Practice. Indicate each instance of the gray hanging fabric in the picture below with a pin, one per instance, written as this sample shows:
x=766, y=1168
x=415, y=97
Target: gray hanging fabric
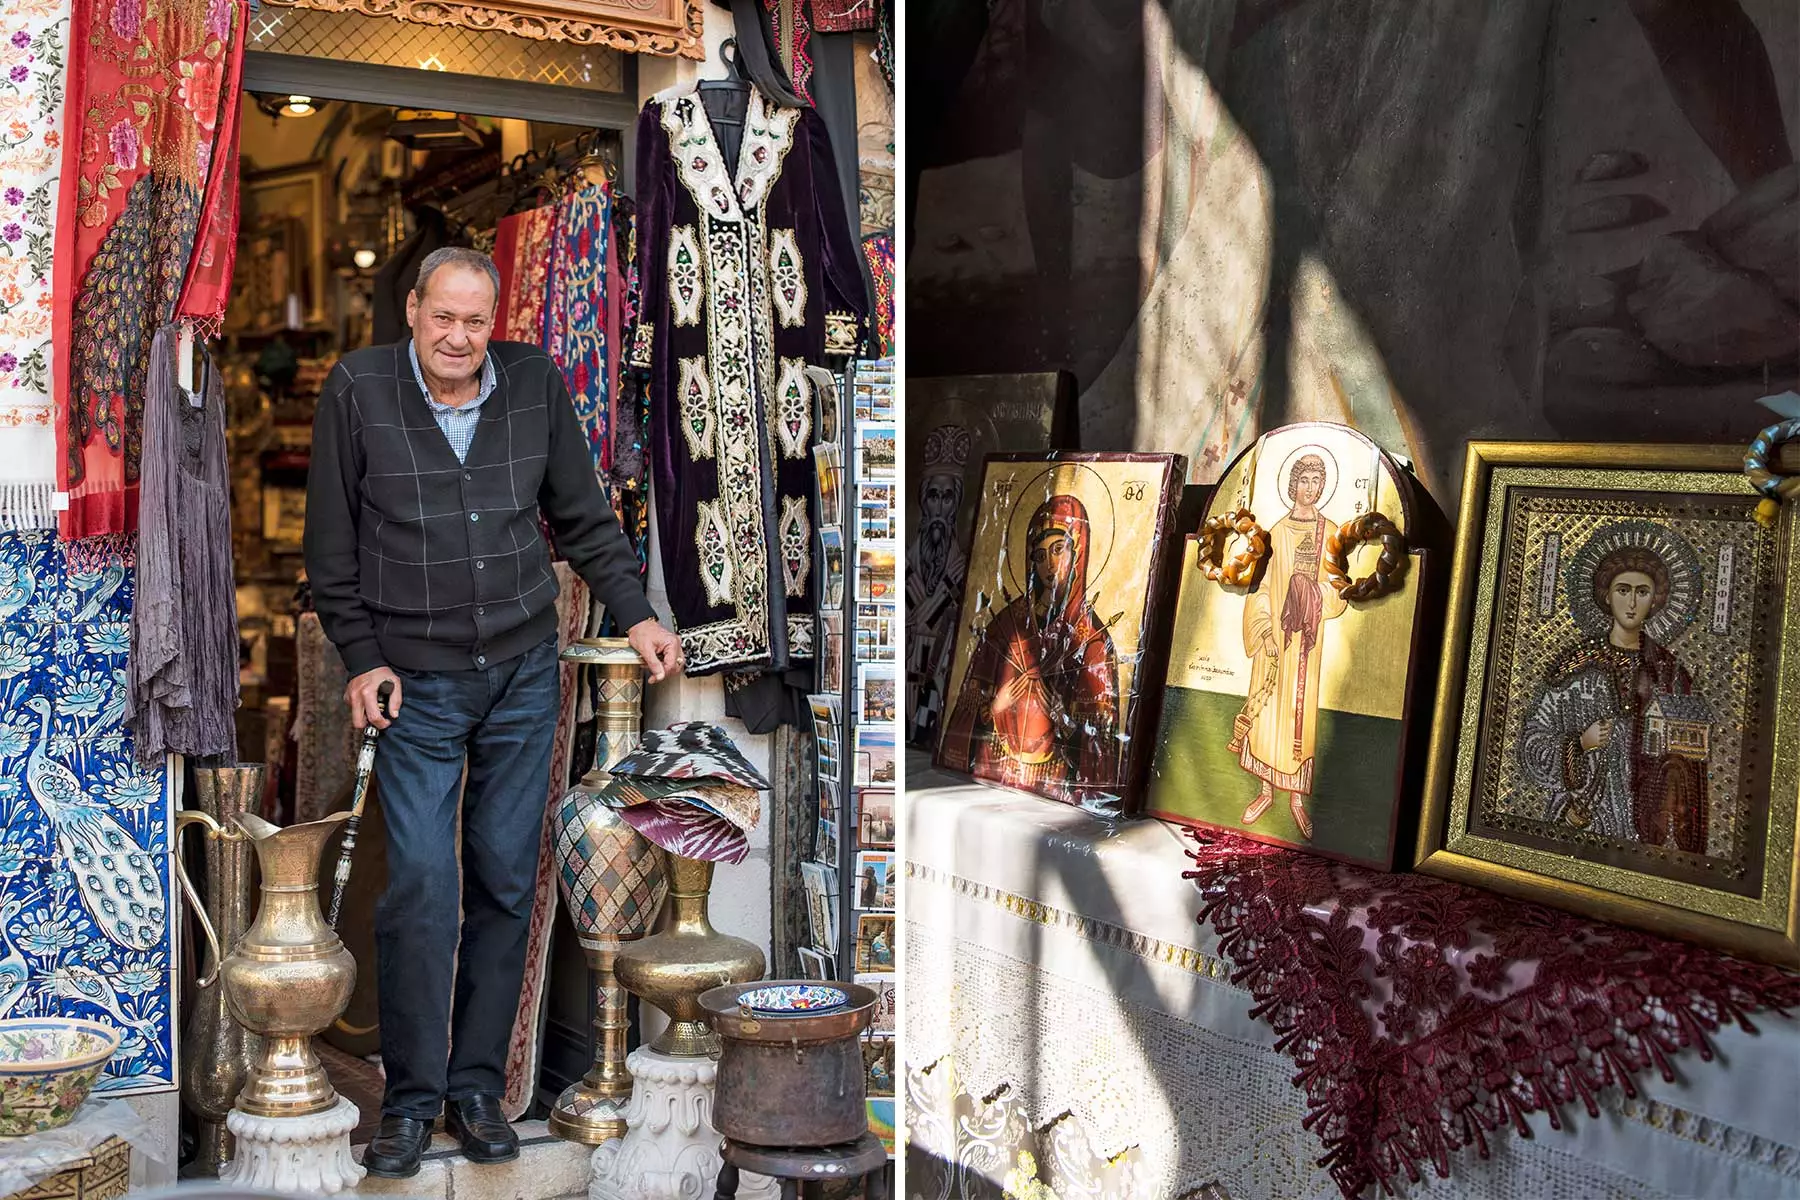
x=756, y=48
x=183, y=669
x=834, y=96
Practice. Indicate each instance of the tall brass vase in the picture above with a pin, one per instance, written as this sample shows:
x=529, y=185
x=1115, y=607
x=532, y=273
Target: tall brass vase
x=673, y=967
x=216, y=1052
x=613, y=886
x=289, y=976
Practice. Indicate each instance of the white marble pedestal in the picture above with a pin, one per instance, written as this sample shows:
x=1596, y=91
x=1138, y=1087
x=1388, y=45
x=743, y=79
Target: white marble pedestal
x=670, y=1150
x=304, y=1155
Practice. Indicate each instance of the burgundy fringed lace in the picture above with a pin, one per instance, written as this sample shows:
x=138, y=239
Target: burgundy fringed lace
x=1424, y=1015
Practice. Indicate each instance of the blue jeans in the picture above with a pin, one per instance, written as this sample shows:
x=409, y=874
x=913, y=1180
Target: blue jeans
x=503, y=719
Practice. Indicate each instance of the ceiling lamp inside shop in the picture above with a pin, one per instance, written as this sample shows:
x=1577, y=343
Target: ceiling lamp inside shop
x=420, y=130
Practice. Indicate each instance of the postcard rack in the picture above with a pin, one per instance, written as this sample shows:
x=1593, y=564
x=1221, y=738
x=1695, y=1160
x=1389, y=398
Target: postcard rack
x=850, y=882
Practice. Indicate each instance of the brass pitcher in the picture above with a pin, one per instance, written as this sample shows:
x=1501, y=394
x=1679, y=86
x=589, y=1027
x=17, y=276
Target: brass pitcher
x=688, y=957
x=290, y=976
x=217, y=1053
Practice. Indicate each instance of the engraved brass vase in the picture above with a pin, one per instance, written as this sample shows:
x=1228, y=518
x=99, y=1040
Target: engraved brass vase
x=289, y=976
x=613, y=885
x=217, y=1053
x=687, y=957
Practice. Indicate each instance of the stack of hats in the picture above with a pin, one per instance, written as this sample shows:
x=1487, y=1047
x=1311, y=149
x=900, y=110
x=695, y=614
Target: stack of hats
x=690, y=790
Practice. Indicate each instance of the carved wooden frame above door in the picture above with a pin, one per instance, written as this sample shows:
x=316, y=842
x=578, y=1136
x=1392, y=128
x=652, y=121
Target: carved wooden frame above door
x=669, y=27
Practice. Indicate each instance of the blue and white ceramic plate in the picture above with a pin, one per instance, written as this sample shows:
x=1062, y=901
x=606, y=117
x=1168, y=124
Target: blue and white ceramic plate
x=794, y=1000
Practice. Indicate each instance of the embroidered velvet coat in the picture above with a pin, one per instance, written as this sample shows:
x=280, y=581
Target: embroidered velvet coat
x=747, y=278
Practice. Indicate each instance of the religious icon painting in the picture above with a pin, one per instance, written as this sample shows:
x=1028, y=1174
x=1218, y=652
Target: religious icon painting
x=972, y=416
x=1297, y=650
x=1614, y=736
x=1054, y=681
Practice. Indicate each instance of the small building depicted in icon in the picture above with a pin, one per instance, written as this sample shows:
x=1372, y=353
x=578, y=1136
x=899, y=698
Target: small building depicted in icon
x=1677, y=726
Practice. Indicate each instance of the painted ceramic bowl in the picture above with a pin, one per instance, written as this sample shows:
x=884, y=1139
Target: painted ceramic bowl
x=794, y=1000
x=47, y=1067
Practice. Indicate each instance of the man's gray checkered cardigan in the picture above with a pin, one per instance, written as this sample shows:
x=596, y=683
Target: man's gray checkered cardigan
x=423, y=563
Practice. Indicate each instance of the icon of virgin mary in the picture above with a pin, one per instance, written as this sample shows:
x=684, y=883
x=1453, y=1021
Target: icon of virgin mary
x=1039, y=707
x=1619, y=737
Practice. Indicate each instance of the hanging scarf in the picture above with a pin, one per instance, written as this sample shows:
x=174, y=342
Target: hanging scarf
x=31, y=81
x=153, y=85
x=878, y=248
x=525, y=279
x=793, y=32
x=843, y=16
x=575, y=309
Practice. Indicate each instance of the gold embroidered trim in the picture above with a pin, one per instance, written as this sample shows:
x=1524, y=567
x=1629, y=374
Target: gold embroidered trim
x=695, y=392
x=712, y=537
x=796, y=544
x=787, y=275
x=793, y=409
x=1103, y=933
x=841, y=333
x=685, y=287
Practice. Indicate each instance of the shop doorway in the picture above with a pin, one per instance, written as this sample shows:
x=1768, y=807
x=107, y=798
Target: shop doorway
x=344, y=165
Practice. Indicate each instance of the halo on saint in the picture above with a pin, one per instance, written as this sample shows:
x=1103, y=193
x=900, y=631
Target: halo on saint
x=1287, y=470
x=1062, y=479
x=1679, y=558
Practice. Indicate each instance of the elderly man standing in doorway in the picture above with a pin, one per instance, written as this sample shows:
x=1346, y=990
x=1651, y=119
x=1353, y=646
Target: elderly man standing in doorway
x=432, y=461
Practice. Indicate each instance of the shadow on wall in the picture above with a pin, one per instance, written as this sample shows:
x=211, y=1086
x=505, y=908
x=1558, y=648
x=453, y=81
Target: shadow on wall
x=1435, y=221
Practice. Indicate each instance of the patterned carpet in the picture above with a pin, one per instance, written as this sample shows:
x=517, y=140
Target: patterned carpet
x=361, y=1081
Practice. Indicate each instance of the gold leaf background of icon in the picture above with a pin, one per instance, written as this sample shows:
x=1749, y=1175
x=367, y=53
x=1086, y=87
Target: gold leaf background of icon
x=1118, y=585
x=1365, y=652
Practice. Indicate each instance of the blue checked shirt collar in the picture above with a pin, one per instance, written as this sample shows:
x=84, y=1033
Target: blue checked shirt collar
x=457, y=421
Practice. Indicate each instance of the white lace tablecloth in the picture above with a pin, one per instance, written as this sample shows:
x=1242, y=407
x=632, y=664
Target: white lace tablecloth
x=1057, y=957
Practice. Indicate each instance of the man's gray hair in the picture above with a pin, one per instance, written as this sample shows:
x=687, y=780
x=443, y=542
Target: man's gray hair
x=457, y=256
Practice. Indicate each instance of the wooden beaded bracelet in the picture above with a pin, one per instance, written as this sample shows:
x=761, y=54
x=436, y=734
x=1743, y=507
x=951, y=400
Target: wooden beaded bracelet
x=1389, y=568
x=1774, y=487
x=1244, y=566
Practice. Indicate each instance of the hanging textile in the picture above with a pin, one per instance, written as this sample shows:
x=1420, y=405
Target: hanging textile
x=878, y=248
x=843, y=16
x=152, y=84
x=29, y=165
x=746, y=281
x=575, y=309
x=183, y=669
x=325, y=742
x=793, y=32
x=522, y=251
x=207, y=292
x=524, y=1046
x=884, y=41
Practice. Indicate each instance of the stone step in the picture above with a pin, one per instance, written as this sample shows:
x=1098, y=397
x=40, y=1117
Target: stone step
x=547, y=1168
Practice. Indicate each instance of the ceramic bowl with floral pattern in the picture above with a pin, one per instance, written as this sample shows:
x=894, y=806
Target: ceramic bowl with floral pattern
x=47, y=1067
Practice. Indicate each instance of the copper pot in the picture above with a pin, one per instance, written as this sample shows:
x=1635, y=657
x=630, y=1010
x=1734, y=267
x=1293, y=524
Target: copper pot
x=790, y=1081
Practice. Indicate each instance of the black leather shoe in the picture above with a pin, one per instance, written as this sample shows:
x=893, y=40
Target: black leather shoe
x=483, y=1130
x=398, y=1145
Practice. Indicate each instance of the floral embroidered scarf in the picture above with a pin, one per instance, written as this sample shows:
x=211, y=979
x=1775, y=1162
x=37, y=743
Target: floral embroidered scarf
x=154, y=82
x=878, y=248
x=575, y=312
x=35, y=33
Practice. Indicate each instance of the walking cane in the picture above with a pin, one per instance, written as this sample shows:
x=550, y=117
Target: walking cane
x=365, y=766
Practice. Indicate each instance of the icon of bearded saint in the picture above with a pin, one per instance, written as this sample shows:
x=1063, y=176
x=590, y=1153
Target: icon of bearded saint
x=935, y=567
x=1039, y=708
